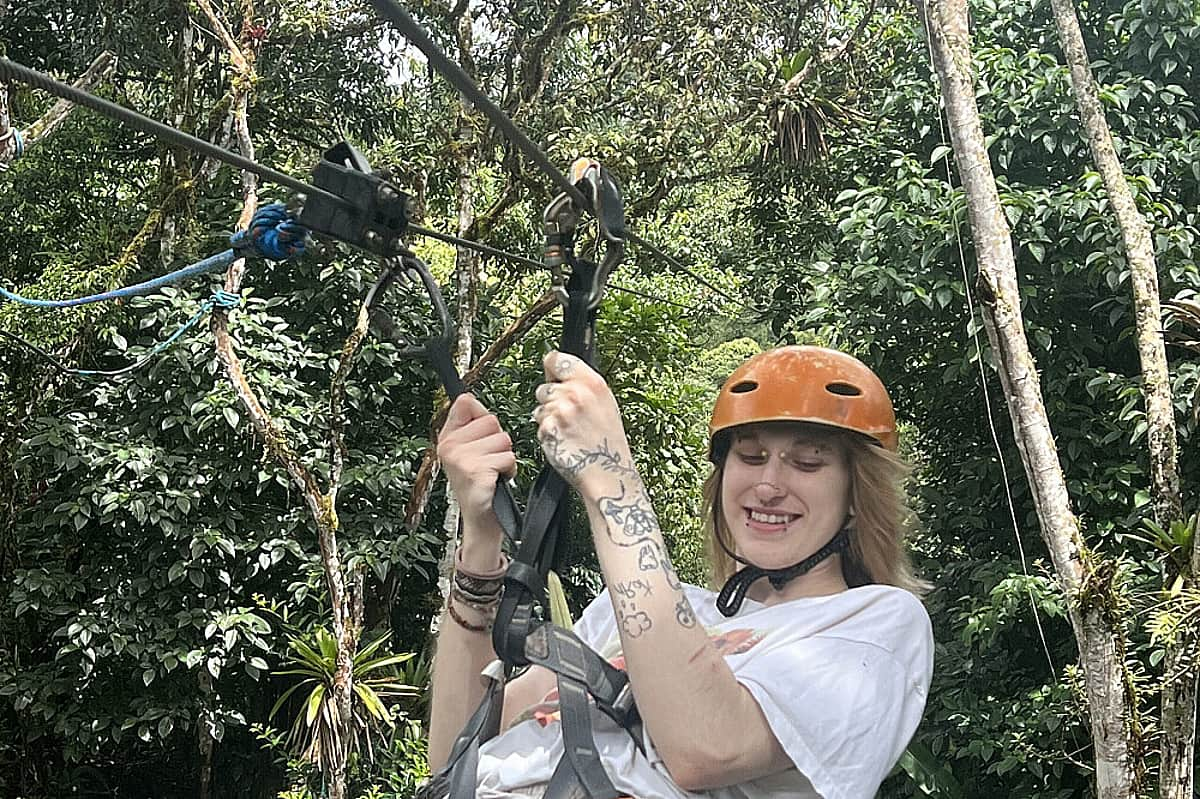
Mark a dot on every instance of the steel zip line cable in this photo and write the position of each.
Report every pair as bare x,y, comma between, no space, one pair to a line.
451,71
474,245
14,71
413,31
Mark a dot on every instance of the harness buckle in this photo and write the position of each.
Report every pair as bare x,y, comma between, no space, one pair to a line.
561,219
374,213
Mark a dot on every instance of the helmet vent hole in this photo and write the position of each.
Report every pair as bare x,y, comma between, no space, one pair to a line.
744,387
843,389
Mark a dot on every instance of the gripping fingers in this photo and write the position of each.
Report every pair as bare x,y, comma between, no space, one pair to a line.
502,463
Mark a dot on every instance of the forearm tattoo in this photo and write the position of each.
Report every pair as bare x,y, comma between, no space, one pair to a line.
630,520
633,622
684,613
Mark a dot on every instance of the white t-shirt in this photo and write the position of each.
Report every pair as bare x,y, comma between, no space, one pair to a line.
841,679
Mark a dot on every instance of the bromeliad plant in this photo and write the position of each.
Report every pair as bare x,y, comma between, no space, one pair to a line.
314,737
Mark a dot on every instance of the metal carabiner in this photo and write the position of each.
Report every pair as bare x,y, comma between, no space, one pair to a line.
438,352
561,219
438,348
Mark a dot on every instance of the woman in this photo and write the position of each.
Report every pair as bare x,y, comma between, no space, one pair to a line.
806,676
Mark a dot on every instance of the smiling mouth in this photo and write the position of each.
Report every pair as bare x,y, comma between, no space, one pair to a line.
771,519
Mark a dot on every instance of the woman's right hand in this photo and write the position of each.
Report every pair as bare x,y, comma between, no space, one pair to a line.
475,452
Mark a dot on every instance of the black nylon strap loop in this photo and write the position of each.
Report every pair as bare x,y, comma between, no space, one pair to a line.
733,593
579,743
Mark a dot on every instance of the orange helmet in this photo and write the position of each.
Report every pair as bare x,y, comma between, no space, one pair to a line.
805,384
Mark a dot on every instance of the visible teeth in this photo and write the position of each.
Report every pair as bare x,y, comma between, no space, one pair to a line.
769,518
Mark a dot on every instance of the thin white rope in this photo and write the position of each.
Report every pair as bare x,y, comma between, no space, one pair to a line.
983,382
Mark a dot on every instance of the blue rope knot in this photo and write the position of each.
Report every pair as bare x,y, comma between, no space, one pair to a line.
274,234
225,299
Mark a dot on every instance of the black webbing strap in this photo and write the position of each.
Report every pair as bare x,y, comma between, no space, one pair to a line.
520,638
562,652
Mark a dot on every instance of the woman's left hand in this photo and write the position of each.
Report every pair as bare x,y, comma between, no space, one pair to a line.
579,423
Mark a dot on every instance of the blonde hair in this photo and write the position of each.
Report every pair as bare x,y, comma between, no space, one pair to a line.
882,517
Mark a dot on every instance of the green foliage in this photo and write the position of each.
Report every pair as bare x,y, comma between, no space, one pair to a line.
315,732
155,561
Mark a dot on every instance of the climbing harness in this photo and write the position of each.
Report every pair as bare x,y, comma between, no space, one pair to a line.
273,234
521,636
371,214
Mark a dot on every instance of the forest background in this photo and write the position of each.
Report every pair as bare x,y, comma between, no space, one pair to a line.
159,570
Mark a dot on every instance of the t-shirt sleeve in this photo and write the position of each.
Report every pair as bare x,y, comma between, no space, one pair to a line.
596,624
843,709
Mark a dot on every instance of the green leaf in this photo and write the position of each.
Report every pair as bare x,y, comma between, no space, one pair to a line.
929,773
165,726
313,705
372,703
231,416
284,698
560,612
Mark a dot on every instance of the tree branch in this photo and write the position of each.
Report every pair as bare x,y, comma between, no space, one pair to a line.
236,57
427,471
828,56
100,69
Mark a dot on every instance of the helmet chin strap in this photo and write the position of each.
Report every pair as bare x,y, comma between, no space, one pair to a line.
733,593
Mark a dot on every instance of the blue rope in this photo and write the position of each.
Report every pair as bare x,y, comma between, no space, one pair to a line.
274,234
220,299
20,144
219,261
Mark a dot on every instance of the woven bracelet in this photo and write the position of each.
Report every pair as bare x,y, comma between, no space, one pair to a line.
484,604
466,625
479,583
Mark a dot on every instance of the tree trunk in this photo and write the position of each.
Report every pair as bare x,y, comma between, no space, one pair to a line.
176,161
1139,253
345,590
1177,740
1088,582
204,738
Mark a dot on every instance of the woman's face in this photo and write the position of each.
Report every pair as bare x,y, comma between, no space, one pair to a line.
785,491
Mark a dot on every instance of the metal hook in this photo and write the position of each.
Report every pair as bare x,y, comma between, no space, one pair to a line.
561,219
